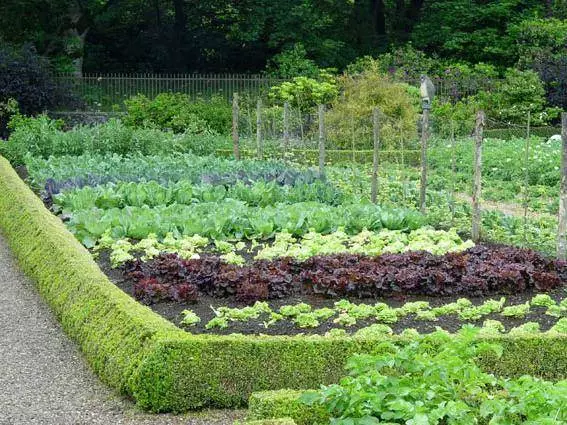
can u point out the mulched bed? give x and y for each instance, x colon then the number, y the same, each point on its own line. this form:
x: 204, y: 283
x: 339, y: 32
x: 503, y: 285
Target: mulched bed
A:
x: 520, y: 292
x: 478, y: 271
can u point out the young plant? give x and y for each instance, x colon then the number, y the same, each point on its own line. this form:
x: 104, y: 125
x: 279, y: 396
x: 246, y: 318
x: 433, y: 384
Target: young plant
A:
x: 291, y: 311
x: 560, y: 326
x: 344, y: 319
x: 387, y: 315
x: 306, y: 320
x: 542, y: 300
x: 274, y: 318
x: 526, y: 328
x: 413, y: 307
x: 427, y: 315
x: 376, y: 330
x: 516, y: 311
x: 189, y: 318
x: 217, y: 323
x: 324, y: 313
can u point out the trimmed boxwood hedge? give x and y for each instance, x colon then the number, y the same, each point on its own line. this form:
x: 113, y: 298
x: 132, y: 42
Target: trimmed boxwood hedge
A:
x: 333, y: 156
x: 167, y: 369
x: 270, y: 405
x: 281, y: 421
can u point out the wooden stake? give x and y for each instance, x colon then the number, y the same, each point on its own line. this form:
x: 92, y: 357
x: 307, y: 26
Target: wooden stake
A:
x: 235, y: 136
x: 424, y: 139
x: 322, y: 142
x: 562, y: 228
x: 453, y: 171
x: 259, y: 141
x: 286, y: 126
x: 527, y: 177
x: 476, y: 213
x: 376, y: 153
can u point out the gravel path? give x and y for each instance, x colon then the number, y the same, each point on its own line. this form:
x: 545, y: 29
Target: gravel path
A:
x: 43, y: 377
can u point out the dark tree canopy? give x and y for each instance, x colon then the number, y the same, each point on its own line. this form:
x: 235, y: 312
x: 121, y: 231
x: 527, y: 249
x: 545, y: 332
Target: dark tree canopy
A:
x: 246, y: 35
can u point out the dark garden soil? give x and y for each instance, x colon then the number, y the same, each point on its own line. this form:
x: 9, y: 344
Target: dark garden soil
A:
x: 172, y: 311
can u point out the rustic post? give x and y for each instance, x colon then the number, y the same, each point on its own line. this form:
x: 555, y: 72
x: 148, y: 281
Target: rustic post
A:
x: 562, y: 228
x: 453, y: 170
x: 376, y: 153
x: 527, y: 176
x: 286, y: 126
x: 476, y: 213
x: 322, y: 142
x: 353, y: 137
x: 235, y: 136
x: 424, y: 139
x: 259, y: 141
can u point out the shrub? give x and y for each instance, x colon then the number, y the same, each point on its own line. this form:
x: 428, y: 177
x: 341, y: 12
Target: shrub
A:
x: 25, y: 77
x: 305, y: 92
x: 542, y: 46
x: 361, y: 94
x: 404, y: 63
x: 33, y: 135
x: 293, y: 62
x: 8, y: 108
x: 176, y: 112
x: 517, y: 94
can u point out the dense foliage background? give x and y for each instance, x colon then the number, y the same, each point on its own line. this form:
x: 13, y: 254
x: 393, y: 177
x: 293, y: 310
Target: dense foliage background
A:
x: 248, y: 35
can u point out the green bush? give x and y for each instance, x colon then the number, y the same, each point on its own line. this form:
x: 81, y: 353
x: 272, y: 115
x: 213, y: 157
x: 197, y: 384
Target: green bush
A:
x: 306, y: 93
x: 178, y: 113
x: 26, y: 77
x: 362, y: 93
x: 293, y: 62
x: 513, y: 97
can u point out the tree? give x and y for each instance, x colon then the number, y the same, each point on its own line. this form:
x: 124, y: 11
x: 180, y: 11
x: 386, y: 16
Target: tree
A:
x: 542, y: 46
x: 57, y: 28
x: 472, y: 30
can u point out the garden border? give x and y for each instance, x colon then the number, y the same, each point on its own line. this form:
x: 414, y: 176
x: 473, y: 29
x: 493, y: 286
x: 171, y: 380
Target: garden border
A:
x: 165, y: 368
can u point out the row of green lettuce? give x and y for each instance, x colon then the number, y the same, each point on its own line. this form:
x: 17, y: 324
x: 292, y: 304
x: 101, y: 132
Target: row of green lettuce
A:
x: 284, y: 245
x: 346, y: 314
x: 232, y: 219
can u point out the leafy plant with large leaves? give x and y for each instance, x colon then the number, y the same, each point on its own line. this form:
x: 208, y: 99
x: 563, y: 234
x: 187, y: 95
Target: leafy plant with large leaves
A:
x: 436, y: 380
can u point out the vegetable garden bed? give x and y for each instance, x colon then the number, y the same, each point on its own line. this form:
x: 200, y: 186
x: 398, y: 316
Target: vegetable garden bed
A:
x: 349, y: 294
x: 166, y: 368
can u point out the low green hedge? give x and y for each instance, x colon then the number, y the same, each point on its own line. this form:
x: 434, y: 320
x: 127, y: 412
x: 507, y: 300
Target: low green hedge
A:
x: 268, y: 405
x: 511, y: 133
x: 332, y: 156
x: 280, y: 421
x: 113, y: 331
x: 167, y: 369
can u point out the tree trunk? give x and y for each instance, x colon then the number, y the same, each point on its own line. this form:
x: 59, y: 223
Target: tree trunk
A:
x: 412, y: 15
x: 78, y: 35
x: 379, y: 17
x: 549, y: 8
x: 78, y: 53
x: 180, y: 32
